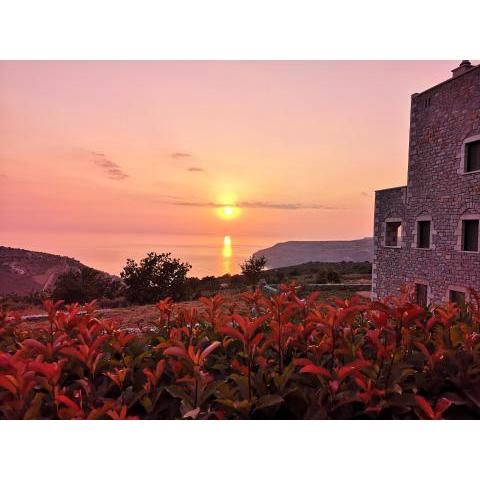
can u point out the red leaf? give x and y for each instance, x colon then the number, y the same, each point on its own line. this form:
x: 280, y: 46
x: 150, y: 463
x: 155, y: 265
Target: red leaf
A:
x: 208, y: 351
x: 256, y: 340
x: 231, y: 332
x: 425, y: 406
x: 441, y: 406
x: 63, y: 399
x: 72, y: 352
x: 6, y: 383
x: 33, y: 344
x: 352, y: 367
x: 316, y: 370
x: 258, y: 323
x: 176, y: 351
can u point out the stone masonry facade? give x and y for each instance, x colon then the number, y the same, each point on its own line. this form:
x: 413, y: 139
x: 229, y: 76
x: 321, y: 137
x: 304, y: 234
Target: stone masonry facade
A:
x: 440, y: 196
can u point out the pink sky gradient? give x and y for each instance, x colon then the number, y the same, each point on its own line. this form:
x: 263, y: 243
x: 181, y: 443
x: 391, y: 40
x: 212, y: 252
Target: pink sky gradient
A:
x: 149, y: 148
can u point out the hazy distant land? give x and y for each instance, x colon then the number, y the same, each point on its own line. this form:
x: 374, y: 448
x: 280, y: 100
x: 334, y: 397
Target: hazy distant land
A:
x: 297, y: 252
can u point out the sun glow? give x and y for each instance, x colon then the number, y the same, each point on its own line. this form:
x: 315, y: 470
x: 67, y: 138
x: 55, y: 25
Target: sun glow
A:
x: 228, y: 212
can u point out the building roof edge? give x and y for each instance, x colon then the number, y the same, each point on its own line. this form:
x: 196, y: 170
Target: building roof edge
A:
x: 473, y: 69
x: 391, y: 188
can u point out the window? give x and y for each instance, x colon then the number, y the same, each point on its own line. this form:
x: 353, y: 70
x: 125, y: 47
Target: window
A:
x: 472, y: 152
x: 457, y: 297
x: 421, y: 294
x: 470, y: 235
x: 423, y: 234
x: 392, y: 234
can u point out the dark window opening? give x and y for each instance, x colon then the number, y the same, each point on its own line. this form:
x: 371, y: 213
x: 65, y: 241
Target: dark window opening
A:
x: 457, y: 297
x: 473, y: 156
x: 392, y: 233
x: 423, y: 234
x: 421, y: 294
x: 470, y: 235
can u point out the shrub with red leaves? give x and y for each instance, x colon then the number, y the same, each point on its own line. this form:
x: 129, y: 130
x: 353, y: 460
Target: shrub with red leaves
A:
x: 290, y: 358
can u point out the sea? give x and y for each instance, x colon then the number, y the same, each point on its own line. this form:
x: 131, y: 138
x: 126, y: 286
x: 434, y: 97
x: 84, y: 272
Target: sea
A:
x: 208, y: 254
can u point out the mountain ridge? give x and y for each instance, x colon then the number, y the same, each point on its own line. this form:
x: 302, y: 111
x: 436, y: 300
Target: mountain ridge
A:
x: 294, y: 252
x: 23, y: 272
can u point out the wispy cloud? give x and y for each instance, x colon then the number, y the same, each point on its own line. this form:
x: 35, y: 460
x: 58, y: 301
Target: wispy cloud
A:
x: 111, y: 169
x: 287, y: 206
x: 255, y: 204
x: 195, y: 169
x: 180, y: 155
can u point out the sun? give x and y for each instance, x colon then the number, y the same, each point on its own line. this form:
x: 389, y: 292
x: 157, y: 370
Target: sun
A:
x: 227, y: 212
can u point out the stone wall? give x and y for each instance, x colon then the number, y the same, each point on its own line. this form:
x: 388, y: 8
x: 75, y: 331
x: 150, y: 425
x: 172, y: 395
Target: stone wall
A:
x: 442, y: 118
x: 388, y: 262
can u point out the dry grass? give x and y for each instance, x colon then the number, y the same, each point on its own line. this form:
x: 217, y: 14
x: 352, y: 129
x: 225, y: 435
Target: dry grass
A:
x: 138, y: 316
x: 143, y: 315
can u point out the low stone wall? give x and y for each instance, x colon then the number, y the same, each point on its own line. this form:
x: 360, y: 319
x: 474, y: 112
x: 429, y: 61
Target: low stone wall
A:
x: 273, y: 289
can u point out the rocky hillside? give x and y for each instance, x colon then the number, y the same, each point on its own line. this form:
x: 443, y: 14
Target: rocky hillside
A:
x: 24, y: 272
x: 297, y: 252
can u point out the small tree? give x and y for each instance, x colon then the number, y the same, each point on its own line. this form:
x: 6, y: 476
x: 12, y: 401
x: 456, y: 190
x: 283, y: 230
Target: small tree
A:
x: 252, y: 268
x: 84, y: 285
x: 321, y: 277
x: 157, y: 276
x: 333, y: 277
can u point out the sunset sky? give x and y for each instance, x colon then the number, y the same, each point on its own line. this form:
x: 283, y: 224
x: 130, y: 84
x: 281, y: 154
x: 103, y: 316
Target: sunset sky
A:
x: 113, y: 148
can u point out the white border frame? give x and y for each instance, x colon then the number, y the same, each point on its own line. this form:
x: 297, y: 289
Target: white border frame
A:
x: 230, y: 30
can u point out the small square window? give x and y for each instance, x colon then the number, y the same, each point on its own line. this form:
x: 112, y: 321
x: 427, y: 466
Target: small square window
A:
x: 421, y: 294
x: 470, y: 235
x: 423, y: 234
x: 392, y: 234
x: 472, y: 154
x: 457, y: 297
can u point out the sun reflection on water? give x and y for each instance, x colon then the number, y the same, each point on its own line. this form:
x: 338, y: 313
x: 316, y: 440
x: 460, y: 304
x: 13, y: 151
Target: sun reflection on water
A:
x: 227, y: 255
x: 227, y: 246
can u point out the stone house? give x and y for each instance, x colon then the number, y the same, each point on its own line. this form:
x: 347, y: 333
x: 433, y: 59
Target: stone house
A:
x: 426, y: 233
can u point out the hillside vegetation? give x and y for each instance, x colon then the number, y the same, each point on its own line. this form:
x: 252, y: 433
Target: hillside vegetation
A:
x: 268, y: 358
x: 158, y: 276
x: 24, y: 272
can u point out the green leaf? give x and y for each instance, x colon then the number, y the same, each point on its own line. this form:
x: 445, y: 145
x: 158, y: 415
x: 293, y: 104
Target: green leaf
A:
x: 242, y: 384
x: 281, y: 380
x: 208, y: 391
x: 146, y: 404
x: 267, y: 401
x: 177, y: 392
x: 242, y: 406
x: 140, y: 358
